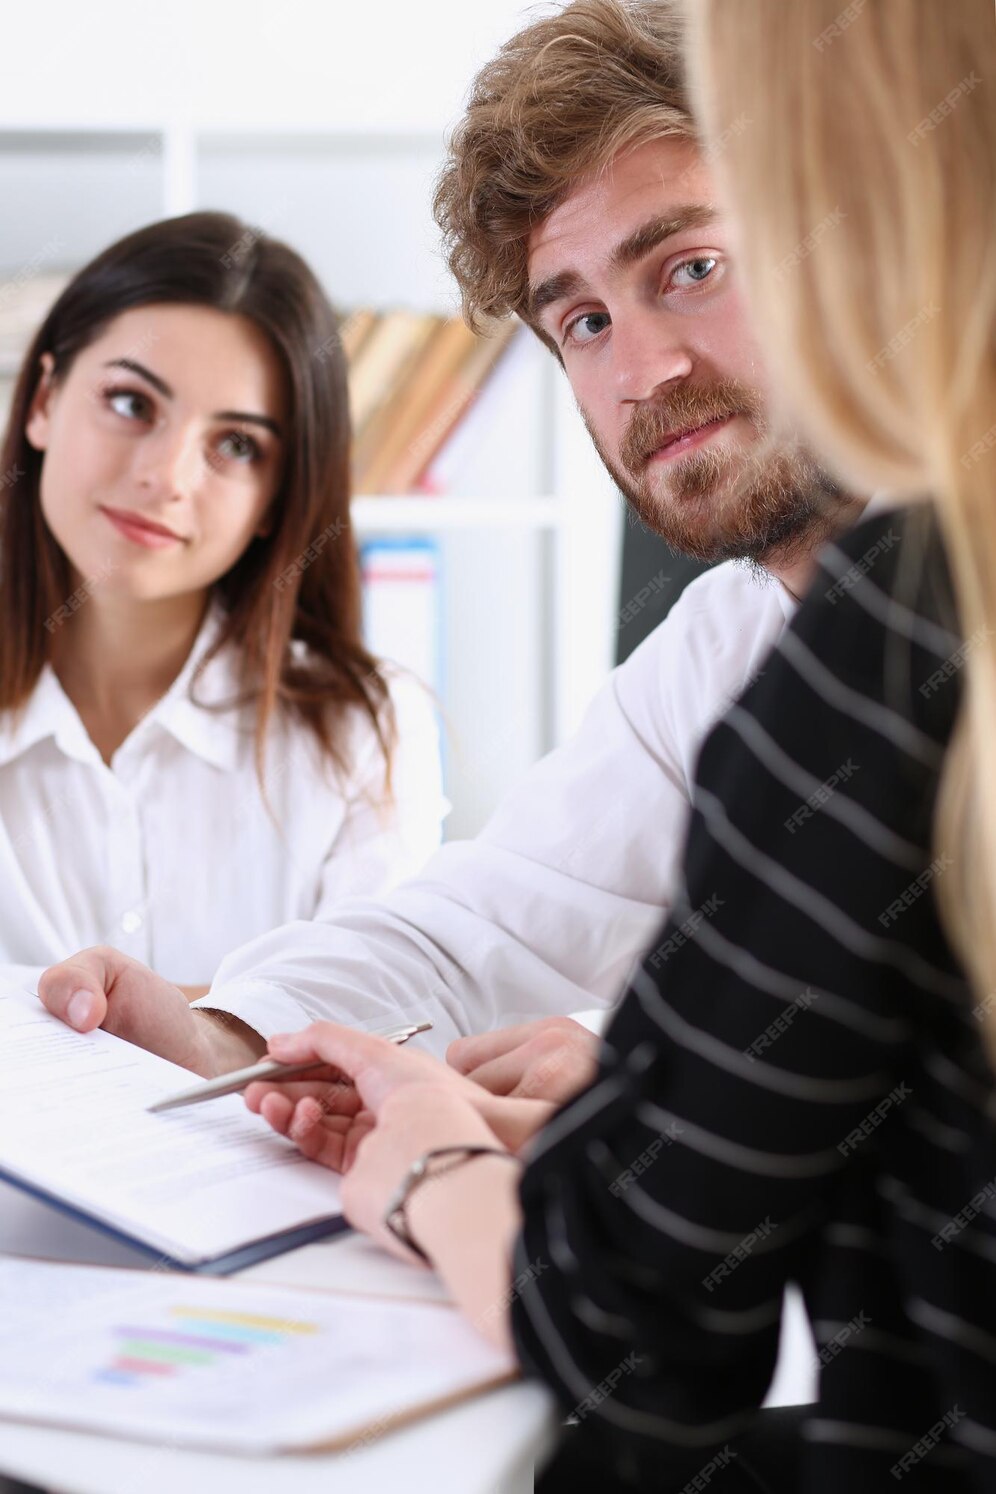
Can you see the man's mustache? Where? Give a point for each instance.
(683, 409)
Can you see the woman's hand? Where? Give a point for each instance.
(327, 1117)
(411, 1121)
(380, 1108)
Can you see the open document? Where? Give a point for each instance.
(222, 1364)
(214, 1189)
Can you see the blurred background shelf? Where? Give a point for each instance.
(437, 515)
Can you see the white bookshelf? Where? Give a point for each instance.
(529, 532)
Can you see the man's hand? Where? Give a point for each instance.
(102, 987)
(547, 1060)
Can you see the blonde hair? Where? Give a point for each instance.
(557, 102)
(858, 147)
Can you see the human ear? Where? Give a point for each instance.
(36, 427)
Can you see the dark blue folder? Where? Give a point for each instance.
(135, 1253)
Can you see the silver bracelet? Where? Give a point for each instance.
(396, 1215)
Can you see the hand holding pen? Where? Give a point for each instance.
(268, 1070)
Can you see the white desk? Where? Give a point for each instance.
(486, 1446)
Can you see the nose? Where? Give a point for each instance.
(169, 463)
(647, 355)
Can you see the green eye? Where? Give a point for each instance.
(238, 446)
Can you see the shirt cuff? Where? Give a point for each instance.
(596, 1020)
(266, 1009)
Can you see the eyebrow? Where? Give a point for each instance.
(650, 235)
(241, 416)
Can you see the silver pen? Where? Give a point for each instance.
(267, 1068)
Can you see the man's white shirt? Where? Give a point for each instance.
(544, 913)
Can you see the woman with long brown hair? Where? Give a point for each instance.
(195, 746)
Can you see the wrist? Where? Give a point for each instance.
(443, 1200)
(467, 1226)
(224, 1043)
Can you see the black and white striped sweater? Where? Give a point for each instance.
(794, 1087)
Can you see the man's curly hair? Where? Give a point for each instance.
(559, 101)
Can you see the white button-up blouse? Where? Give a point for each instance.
(170, 852)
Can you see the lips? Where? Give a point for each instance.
(686, 438)
(141, 531)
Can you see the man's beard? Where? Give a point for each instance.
(765, 504)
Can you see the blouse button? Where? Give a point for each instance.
(131, 922)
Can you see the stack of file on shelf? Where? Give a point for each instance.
(412, 379)
(25, 298)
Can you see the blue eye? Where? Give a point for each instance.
(703, 262)
(572, 333)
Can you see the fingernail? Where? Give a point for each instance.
(79, 1009)
(279, 1040)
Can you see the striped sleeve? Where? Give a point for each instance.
(668, 1204)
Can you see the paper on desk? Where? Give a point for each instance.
(157, 1356)
(73, 1124)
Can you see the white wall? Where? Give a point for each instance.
(385, 64)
